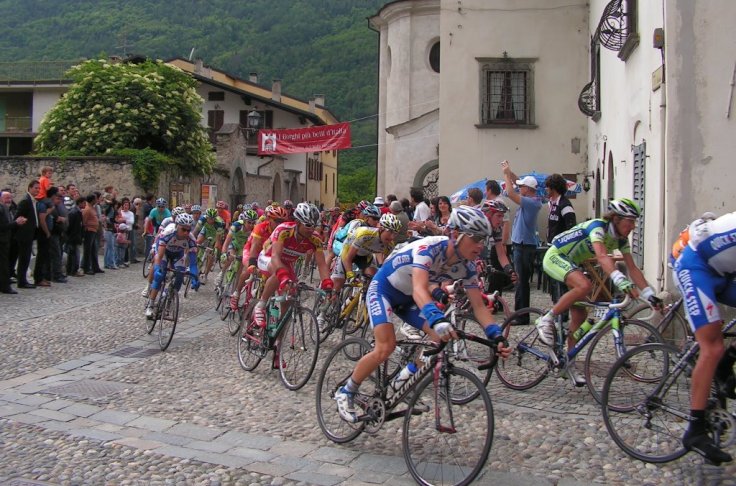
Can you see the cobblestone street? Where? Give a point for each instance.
(86, 397)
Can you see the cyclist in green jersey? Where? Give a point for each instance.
(211, 229)
(592, 239)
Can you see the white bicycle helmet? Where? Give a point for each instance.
(307, 214)
(470, 221)
(160, 202)
(177, 211)
(196, 208)
(371, 211)
(185, 219)
(390, 222)
(625, 208)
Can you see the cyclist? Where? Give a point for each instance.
(257, 240)
(592, 239)
(210, 228)
(289, 241)
(704, 271)
(346, 217)
(235, 240)
(175, 247)
(289, 206)
(408, 285)
(223, 212)
(196, 212)
(154, 247)
(158, 214)
(495, 211)
(368, 216)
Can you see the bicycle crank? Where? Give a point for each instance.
(376, 409)
(722, 426)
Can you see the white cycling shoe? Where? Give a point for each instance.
(546, 329)
(411, 332)
(346, 405)
(577, 378)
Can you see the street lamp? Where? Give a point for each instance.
(254, 121)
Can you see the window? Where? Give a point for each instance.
(215, 119)
(216, 96)
(507, 92)
(434, 57)
(630, 29)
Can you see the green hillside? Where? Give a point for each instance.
(313, 46)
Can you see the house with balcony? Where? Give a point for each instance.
(233, 111)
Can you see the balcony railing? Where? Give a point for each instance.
(16, 124)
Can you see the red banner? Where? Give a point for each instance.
(301, 140)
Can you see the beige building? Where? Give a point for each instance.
(568, 86)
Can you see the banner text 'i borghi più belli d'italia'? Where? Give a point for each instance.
(301, 140)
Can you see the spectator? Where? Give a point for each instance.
(7, 223)
(44, 182)
(128, 217)
(121, 244)
(421, 211)
(408, 210)
(24, 235)
(75, 238)
(109, 214)
(524, 232)
(398, 210)
(13, 252)
(56, 241)
(561, 218)
(147, 228)
(442, 216)
(475, 197)
(73, 192)
(91, 224)
(380, 204)
(493, 193)
(46, 216)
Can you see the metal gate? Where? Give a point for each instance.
(429, 184)
(637, 239)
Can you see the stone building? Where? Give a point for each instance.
(631, 98)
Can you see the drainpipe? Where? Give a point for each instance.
(258, 170)
(664, 245)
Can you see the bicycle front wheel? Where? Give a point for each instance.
(338, 367)
(647, 417)
(526, 367)
(250, 348)
(147, 265)
(603, 352)
(446, 442)
(169, 318)
(298, 348)
(469, 355)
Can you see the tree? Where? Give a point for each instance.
(148, 111)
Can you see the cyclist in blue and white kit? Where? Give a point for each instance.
(705, 272)
(175, 246)
(408, 284)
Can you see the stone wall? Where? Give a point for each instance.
(88, 173)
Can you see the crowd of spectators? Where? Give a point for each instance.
(68, 229)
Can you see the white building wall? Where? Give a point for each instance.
(408, 93)
(43, 100)
(631, 113)
(554, 32)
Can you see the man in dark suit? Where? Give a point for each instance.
(25, 234)
(7, 224)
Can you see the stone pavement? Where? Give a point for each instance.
(86, 397)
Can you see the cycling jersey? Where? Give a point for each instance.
(295, 246)
(238, 236)
(571, 248)
(392, 287)
(211, 230)
(261, 231)
(157, 215)
(705, 270)
(176, 249)
(367, 240)
(341, 234)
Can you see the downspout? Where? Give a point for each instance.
(258, 170)
(664, 246)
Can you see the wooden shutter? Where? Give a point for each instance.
(637, 239)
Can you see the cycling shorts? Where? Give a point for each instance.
(362, 262)
(384, 300)
(246, 257)
(702, 288)
(557, 265)
(264, 262)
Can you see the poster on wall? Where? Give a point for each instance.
(208, 196)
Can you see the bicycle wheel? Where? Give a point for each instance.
(647, 418)
(671, 325)
(169, 318)
(223, 302)
(602, 351)
(250, 351)
(187, 285)
(298, 348)
(468, 355)
(351, 323)
(151, 323)
(336, 371)
(523, 369)
(329, 315)
(147, 265)
(445, 442)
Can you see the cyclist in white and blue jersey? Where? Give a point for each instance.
(408, 284)
(175, 246)
(705, 272)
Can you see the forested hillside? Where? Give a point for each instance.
(314, 46)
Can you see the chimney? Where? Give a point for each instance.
(276, 90)
(319, 99)
(253, 78)
(198, 65)
(311, 105)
